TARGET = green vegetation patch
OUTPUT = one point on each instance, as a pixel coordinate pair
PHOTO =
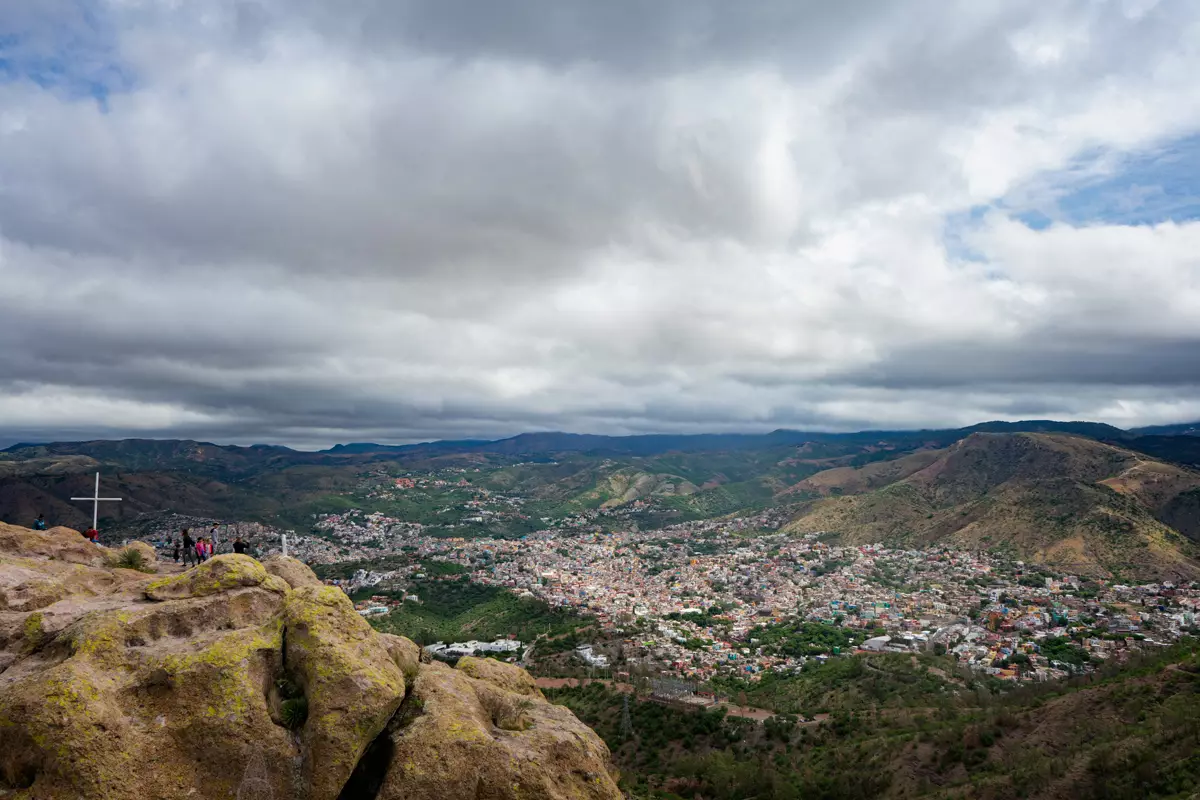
(806, 638)
(455, 610)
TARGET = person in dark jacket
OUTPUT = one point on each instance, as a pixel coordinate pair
(238, 545)
(40, 523)
(189, 549)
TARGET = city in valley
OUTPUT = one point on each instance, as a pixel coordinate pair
(736, 597)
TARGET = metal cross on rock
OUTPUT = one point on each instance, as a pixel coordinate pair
(96, 500)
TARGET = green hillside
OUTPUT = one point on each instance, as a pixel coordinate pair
(1086, 506)
(901, 730)
(456, 610)
(1061, 498)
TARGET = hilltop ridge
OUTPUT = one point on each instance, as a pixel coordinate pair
(162, 451)
(1076, 493)
(1058, 499)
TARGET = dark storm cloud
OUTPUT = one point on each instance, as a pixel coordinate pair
(314, 222)
(1041, 358)
(626, 35)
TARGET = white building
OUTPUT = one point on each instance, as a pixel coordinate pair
(592, 659)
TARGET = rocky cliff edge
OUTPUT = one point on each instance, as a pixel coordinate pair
(241, 679)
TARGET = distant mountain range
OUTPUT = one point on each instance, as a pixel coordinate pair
(1126, 501)
(160, 451)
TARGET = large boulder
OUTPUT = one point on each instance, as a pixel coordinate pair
(226, 682)
(405, 652)
(62, 544)
(506, 676)
(292, 570)
(144, 699)
(218, 574)
(459, 736)
(352, 685)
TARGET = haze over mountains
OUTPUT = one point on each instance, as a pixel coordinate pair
(1079, 494)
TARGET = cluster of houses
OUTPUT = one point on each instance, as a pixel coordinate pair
(689, 598)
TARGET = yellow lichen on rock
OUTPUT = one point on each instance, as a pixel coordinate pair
(405, 652)
(32, 633)
(119, 687)
(218, 574)
(453, 746)
(352, 685)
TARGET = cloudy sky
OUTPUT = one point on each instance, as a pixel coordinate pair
(313, 221)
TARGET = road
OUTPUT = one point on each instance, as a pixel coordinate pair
(746, 712)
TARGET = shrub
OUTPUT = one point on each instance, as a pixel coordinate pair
(294, 712)
(130, 558)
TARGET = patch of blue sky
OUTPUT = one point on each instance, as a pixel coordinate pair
(1098, 187)
(1161, 184)
(956, 232)
(1152, 187)
(67, 47)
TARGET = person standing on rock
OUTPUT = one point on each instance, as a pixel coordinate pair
(189, 548)
(40, 523)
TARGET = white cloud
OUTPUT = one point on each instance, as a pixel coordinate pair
(409, 225)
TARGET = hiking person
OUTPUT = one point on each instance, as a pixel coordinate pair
(92, 535)
(40, 523)
(238, 545)
(189, 548)
(208, 549)
(175, 549)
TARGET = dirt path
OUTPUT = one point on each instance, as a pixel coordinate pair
(747, 712)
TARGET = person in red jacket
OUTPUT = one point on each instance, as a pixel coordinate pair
(92, 535)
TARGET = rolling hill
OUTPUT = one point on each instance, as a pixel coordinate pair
(1071, 493)
(1071, 501)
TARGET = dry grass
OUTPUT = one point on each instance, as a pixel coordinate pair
(508, 711)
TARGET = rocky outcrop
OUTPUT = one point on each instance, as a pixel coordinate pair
(63, 544)
(347, 676)
(295, 573)
(470, 737)
(236, 679)
(405, 652)
(505, 676)
(218, 574)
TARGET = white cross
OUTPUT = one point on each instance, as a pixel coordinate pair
(96, 500)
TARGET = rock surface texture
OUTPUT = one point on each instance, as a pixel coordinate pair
(239, 680)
